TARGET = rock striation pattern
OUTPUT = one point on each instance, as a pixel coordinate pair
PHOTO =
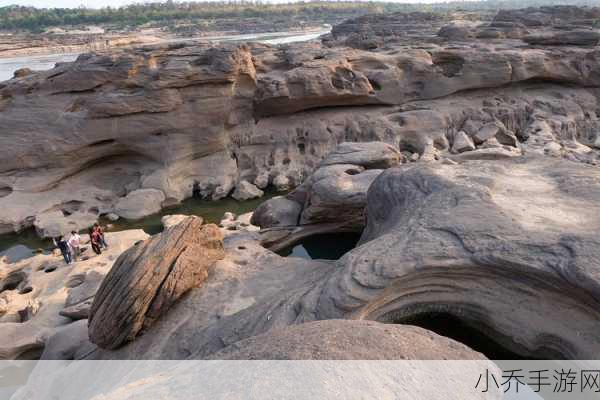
(128, 132)
(467, 159)
(149, 278)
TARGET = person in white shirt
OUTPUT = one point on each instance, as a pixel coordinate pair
(74, 244)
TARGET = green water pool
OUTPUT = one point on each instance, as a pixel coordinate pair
(23, 243)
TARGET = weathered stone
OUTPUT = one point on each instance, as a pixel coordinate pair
(171, 220)
(67, 342)
(78, 311)
(55, 223)
(112, 217)
(370, 155)
(281, 183)
(140, 203)
(246, 191)
(149, 278)
(278, 211)
(347, 340)
(573, 38)
(486, 132)
(462, 143)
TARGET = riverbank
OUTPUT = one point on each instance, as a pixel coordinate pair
(18, 246)
(19, 45)
(44, 57)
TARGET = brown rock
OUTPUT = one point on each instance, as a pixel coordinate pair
(149, 278)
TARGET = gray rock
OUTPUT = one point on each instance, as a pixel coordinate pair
(486, 132)
(573, 38)
(462, 143)
(149, 278)
(68, 343)
(370, 155)
(278, 211)
(246, 191)
(78, 311)
(112, 217)
(171, 220)
(140, 203)
(281, 183)
(347, 340)
(55, 223)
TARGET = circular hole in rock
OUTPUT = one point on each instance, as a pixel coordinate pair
(453, 327)
(328, 246)
(241, 248)
(25, 290)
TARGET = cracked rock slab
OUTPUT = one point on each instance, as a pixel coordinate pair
(150, 277)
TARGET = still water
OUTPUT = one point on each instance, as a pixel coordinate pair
(24, 244)
(44, 62)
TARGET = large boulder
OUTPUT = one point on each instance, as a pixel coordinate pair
(149, 278)
(140, 203)
(347, 340)
(570, 38)
(509, 247)
(246, 191)
(55, 223)
(278, 211)
(370, 155)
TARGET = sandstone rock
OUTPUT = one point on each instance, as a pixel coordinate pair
(544, 243)
(278, 211)
(507, 138)
(112, 217)
(548, 16)
(140, 203)
(574, 38)
(180, 259)
(262, 181)
(281, 183)
(246, 191)
(171, 220)
(34, 304)
(462, 143)
(55, 223)
(371, 155)
(486, 132)
(265, 111)
(86, 290)
(347, 340)
(338, 193)
(78, 311)
(67, 342)
(22, 72)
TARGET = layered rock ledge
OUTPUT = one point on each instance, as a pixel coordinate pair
(131, 131)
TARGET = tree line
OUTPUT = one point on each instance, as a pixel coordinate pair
(14, 18)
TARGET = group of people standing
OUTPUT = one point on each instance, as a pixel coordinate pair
(71, 248)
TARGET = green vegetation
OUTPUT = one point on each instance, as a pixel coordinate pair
(202, 14)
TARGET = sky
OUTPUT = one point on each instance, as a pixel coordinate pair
(115, 3)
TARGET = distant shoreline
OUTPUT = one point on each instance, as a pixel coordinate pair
(108, 42)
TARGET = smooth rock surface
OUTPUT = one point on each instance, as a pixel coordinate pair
(245, 190)
(347, 340)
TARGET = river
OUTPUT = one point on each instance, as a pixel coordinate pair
(44, 62)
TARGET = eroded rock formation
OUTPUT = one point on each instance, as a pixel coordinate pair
(149, 278)
(158, 124)
(476, 188)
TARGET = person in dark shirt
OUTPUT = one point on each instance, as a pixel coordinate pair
(64, 248)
